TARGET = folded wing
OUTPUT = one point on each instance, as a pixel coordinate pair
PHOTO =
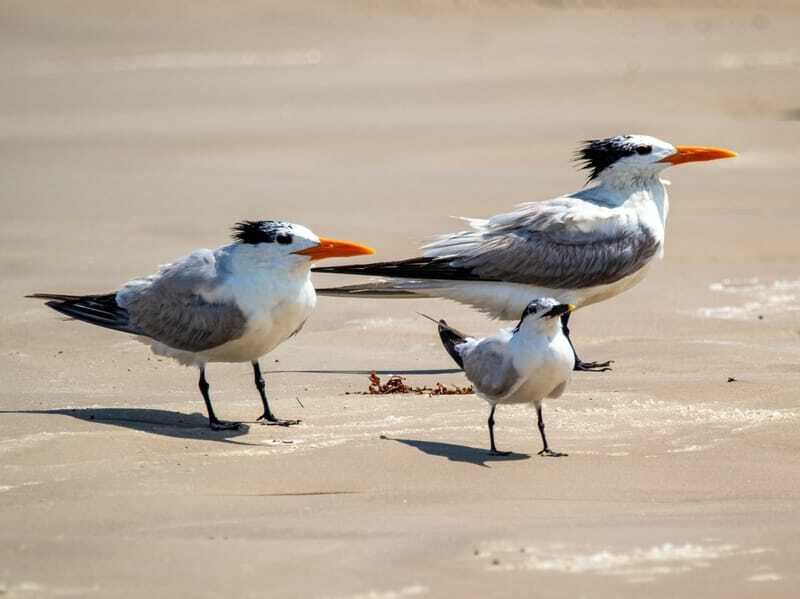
(181, 306)
(489, 366)
(561, 243)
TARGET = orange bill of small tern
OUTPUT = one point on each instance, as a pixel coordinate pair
(697, 154)
(335, 248)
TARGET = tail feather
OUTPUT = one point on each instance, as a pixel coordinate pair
(450, 338)
(101, 310)
(413, 268)
(383, 289)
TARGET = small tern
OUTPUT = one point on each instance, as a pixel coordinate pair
(580, 248)
(525, 364)
(233, 304)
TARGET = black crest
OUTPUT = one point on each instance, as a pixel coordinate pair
(533, 308)
(263, 231)
(597, 155)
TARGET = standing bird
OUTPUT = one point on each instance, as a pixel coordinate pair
(580, 248)
(525, 364)
(232, 304)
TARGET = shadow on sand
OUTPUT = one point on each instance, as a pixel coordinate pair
(157, 422)
(459, 453)
(368, 372)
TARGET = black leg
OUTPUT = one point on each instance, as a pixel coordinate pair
(491, 435)
(267, 417)
(546, 451)
(580, 365)
(213, 421)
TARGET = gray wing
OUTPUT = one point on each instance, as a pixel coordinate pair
(490, 368)
(562, 243)
(171, 306)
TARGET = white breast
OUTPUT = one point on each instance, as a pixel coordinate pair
(274, 313)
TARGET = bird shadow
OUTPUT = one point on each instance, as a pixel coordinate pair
(459, 453)
(156, 422)
(381, 372)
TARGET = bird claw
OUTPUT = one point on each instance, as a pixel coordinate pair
(582, 366)
(272, 421)
(499, 453)
(549, 453)
(220, 425)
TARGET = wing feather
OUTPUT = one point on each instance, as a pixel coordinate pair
(173, 308)
(490, 368)
(565, 243)
(561, 243)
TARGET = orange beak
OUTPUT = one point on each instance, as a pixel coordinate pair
(697, 154)
(333, 248)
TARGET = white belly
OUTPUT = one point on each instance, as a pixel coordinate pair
(551, 374)
(267, 332)
(266, 329)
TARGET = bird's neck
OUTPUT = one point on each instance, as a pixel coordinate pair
(248, 260)
(259, 283)
(640, 191)
(535, 330)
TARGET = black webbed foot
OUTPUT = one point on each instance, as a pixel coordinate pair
(270, 420)
(581, 366)
(549, 453)
(499, 453)
(221, 425)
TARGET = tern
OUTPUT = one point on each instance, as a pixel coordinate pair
(525, 364)
(580, 248)
(233, 304)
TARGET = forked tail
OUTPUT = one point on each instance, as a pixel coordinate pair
(100, 310)
(450, 338)
(381, 289)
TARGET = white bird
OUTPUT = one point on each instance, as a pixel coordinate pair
(521, 365)
(580, 248)
(233, 304)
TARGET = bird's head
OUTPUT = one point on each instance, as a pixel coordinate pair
(639, 156)
(542, 314)
(294, 245)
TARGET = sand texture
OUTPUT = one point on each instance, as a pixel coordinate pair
(130, 135)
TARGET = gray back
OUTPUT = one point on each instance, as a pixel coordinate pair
(490, 368)
(552, 244)
(169, 307)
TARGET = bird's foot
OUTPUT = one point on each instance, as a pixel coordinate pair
(270, 420)
(582, 366)
(499, 453)
(221, 425)
(549, 453)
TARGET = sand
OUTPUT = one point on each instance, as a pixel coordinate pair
(130, 135)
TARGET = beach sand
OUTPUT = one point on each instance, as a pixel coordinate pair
(131, 135)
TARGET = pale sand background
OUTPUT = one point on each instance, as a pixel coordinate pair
(131, 135)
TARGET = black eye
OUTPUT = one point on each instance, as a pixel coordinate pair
(284, 238)
(643, 150)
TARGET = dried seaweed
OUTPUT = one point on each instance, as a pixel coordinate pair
(396, 384)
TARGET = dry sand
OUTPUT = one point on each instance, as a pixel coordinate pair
(131, 135)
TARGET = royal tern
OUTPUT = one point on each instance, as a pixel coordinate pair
(525, 364)
(232, 304)
(580, 248)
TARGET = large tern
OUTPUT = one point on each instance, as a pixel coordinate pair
(233, 304)
(580, 248)
(521, 365)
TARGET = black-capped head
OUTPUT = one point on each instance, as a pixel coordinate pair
(291, 244)
(629, 153)
(543, 309)
(253, 232)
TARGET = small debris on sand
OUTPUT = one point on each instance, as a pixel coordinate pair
(397, 384)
